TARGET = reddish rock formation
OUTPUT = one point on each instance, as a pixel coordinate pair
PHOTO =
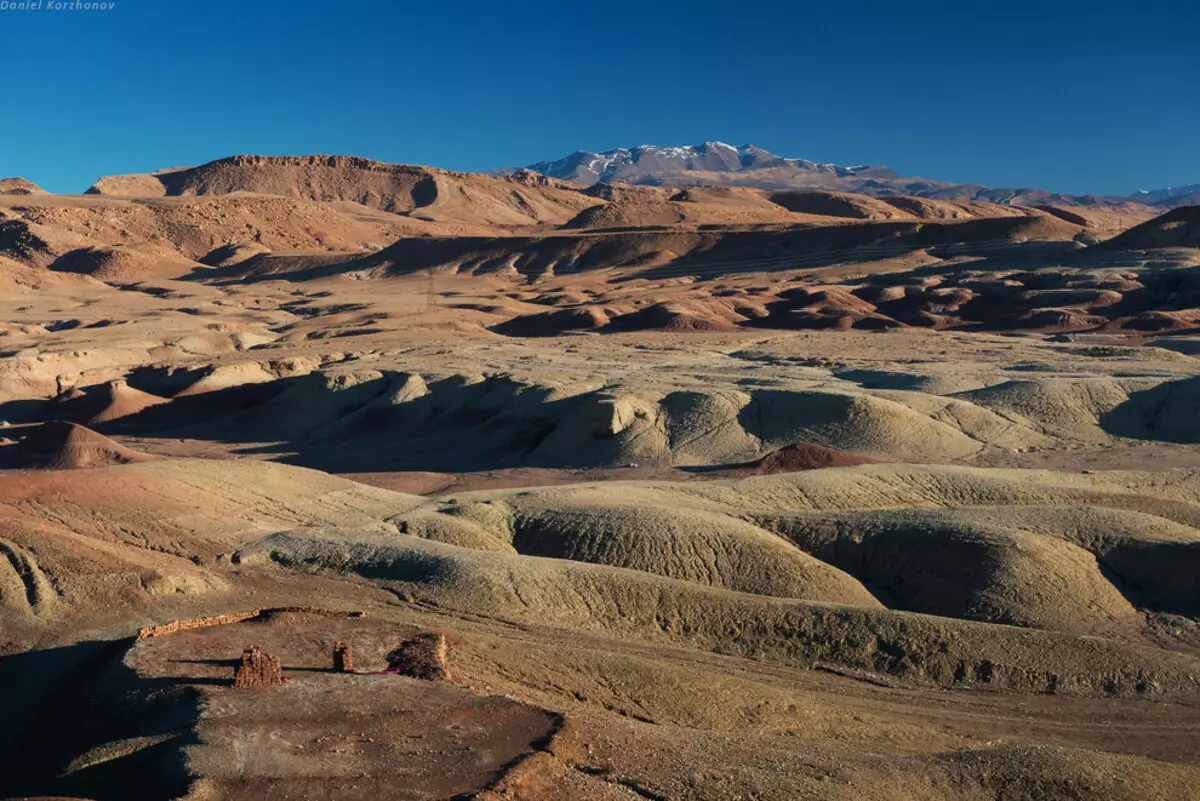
(808, 456)
(422, 657)
(257, 669)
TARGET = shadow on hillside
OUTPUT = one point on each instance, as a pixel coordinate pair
(458, 425)
(61, 702)
(1169, 412)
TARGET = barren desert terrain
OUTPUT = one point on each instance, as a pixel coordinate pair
(615, 491)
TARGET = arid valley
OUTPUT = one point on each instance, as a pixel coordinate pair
(771, 481)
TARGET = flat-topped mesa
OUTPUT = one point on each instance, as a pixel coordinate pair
(315, 160)
(315, 177)
(257, 669)
(437, 194)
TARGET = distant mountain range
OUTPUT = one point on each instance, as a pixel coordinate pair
(405, 186)
(1188, 195)
(648, 163)
(718, 163)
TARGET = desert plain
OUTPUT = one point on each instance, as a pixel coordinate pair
(706, 492)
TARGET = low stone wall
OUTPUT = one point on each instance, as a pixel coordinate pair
(176, 626)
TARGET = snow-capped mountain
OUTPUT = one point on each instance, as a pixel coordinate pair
(718, 163)
(1157, 196)
(654, 164)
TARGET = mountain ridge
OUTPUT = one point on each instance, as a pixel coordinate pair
(719, 163)
(391, 186)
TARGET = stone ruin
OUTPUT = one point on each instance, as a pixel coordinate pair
(343, 658)
(176, 626)
(422, 657)
(257, 669)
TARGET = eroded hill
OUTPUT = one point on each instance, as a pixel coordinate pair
(516, 488)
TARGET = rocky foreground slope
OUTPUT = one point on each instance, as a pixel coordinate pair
(793, 594)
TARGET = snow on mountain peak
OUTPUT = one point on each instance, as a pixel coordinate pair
(650, 163)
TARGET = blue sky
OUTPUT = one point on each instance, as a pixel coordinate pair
(1071, 96)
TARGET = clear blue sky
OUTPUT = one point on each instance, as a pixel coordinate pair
(1071, 96)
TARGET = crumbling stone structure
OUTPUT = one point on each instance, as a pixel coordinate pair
(195, 623)
(422, 657)
(257, 669)
(176, 626)
(343, 658)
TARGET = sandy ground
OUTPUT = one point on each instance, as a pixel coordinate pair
(554, 427)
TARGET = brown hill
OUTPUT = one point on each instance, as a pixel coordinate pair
(59, 445)
(641, 206)
(104, 404)
(631, 206)
(839, 204)
(896, 207)
(31, 243)
(19, 186)
(630, 213)
(229, 255)
(40, 228)
(703, 252)
(807, 456)
(422, 192)
(679, 316)
(1179, 228)
(124, 263)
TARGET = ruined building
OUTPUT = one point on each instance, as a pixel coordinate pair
(422, 657)
(257, 669)
(343, 658)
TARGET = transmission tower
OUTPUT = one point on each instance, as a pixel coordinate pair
(430, 296)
